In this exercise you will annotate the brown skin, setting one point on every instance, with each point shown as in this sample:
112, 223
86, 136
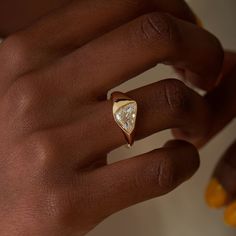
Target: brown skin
222, 106
54, 177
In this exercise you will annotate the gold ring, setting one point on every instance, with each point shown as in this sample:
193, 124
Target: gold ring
125, 114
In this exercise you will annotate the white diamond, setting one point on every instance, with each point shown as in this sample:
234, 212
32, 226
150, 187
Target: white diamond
125, 117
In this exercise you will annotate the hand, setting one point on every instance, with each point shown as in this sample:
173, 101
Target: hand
222, 105
55, 76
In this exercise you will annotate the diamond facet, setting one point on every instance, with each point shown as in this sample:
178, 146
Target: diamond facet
125, 116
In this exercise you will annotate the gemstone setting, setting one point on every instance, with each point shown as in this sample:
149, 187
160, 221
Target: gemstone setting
125, 114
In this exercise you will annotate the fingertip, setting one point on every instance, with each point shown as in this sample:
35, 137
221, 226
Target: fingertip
185, 146
188, 160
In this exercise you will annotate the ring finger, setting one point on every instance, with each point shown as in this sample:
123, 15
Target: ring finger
163, 105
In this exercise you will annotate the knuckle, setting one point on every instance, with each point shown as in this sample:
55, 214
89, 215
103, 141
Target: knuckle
15, 52
159, 27
176, 98
21, 100
42, 146
160, 173
164, 174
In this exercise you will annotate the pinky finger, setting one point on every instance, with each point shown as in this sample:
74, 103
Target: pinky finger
131, 181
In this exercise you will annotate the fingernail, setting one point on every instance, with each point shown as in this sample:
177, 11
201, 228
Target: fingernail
216, 196
230, 215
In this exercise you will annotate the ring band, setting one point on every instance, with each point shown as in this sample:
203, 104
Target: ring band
125, 114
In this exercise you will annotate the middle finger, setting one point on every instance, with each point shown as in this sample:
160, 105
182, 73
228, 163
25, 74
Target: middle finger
135, 47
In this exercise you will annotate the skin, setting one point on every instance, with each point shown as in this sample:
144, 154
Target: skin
54, 177
222, 105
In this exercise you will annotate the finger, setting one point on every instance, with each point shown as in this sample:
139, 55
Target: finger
150, 175
136, 47
83, 21
222, 188
221, 102
229, 64
163, 105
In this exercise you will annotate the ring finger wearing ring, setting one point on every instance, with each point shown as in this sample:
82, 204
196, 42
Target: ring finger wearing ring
163, 105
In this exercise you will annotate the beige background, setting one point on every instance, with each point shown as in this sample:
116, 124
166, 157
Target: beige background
183, 212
